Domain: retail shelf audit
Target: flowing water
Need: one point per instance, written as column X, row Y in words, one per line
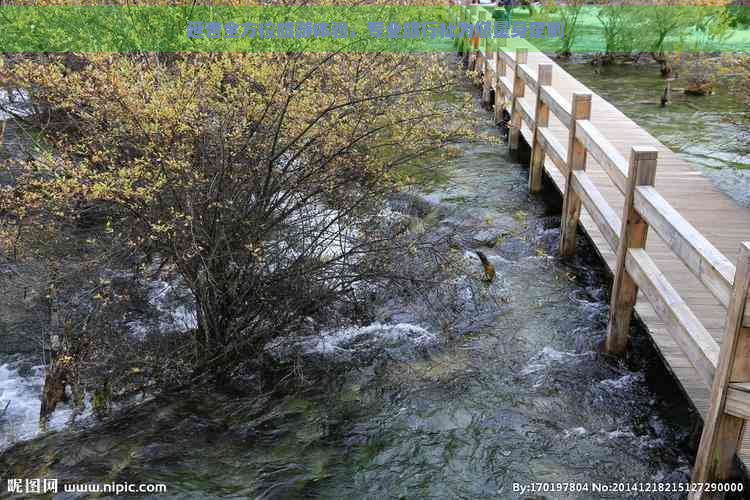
column 12, row 138
column 402, row 410
column 20, row 387
column 710, row 132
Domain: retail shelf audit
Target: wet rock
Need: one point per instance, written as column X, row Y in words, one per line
column 394, row 311
column 486, row 237
column 193, row 424
column 242, row 433
column 411, row 204
column 515, row 248
column 154, row 451
column 676, row 476
column 355, row 440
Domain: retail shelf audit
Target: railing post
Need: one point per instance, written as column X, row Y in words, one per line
column 642, row 172
column 481, row 42
column 541, row 119
column 477, row 43
column 474, row 54
column 722, row 433
column 499, row 98
column 519, row 90
column 502, row 68
column 456, row 19
column 466, row 42
column 487, row 78
column 580, row 110
column 487, row 82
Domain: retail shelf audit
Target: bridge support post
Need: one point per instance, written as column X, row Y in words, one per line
column 488, row 56
column 541, row 119
column 634, row 229
column 519, row 89
column 457, row 17
column 580, row 110
column 722, row 433
column 465, row 43
column 474, row 43
column 499, row 98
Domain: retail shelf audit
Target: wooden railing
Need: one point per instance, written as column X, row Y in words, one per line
column 726, row 370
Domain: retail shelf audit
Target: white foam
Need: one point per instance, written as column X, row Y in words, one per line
column 576, row 431
column 619, row 434
column 353, row 342
column 547, row 356
column 371, row 336
column 624, row 382
column 15, row 102
column 22, row 395
column 172, row 316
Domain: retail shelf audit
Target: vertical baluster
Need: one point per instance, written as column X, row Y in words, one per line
column 722, row 433
column 465, row 42
column 499, row 96
column 486, row 58
column 519, row 89
column 581, row 110
column 541, row 119
column 473, row 56
column 634, row 229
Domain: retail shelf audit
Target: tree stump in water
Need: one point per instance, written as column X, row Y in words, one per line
column 62, row 371
column 666, row 97
column 53, row 393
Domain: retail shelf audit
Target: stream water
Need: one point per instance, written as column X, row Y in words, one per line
column 525, row 397
column 710, row 132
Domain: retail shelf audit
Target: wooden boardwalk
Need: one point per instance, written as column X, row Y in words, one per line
column 714, row 214
column 680, row 254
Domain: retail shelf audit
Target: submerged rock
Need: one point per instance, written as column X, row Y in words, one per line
column 487, row 237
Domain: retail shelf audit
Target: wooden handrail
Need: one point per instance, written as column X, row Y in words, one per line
column 524, row 71
column 686, row 329
column 706, row 262
column 605, row 218
column 508, row 58
column 557, row 104
column 605, row 154
column 507, row 85
column 527, row 112
column 738, row 400
column 553, row 149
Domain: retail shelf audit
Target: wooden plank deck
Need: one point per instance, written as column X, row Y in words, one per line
column 724, row 223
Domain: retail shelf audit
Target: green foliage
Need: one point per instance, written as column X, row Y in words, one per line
column 622, row 26
column 257, row 178
column 569, row 14
column 662, row 26
column 658, row 27
column 739, row 15
column 163, row 28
